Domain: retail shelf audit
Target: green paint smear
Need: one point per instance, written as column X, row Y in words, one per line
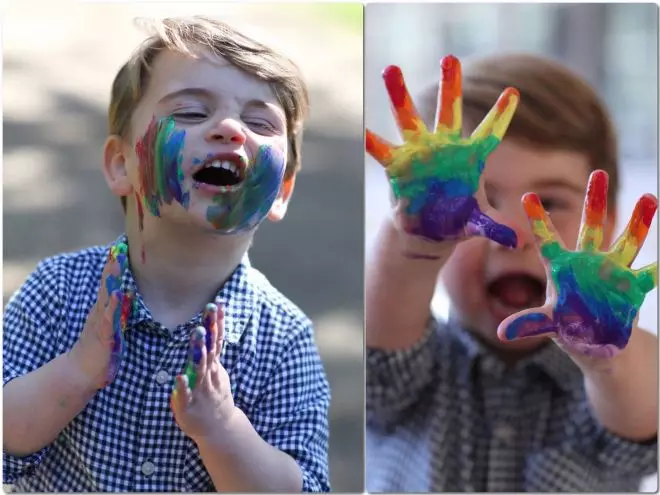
column 597, row 276
column 456, row 162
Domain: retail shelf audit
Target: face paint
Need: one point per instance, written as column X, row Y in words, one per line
column 598, row 294
column 118, row 253
column 161, row 175
column 436, row 174
column 243, row 209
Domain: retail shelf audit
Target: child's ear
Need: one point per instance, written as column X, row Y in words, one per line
column 278, row 210
column 114, row 167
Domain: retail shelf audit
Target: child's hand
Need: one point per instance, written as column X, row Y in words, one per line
column 201, row 401
column 99, row 349
column 435, row 176
column 593, row 298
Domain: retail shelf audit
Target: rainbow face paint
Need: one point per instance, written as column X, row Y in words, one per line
column 436, row 174
column 243, row 209
column 598, row 294
column 160, row 152
column 118, row 253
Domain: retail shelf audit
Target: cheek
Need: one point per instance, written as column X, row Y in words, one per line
column 463, row 274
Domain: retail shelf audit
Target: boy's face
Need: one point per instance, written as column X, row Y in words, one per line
column 208, row 145
column 487, row 282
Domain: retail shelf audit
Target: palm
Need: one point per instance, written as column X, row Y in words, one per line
column 436, row 175
column 597, row 296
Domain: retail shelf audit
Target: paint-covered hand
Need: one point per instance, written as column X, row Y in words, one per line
column 100, row 347
column 435, row 175
column 593, row 297
column 202, row 402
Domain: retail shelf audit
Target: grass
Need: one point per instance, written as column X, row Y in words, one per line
column 347, row 15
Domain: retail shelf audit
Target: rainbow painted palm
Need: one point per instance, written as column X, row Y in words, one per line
column 435, row 174
column 118, row 253
column 597, row 295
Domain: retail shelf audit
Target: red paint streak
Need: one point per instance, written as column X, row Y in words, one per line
column 451, row 89
column 140, row 211
column 642, row 217
column 126, row 309
column 144, row 149
column 395, row 85
column 401, row 101
column 504, row 99
column 596, row 201
column 377, row 148
column 533, row 206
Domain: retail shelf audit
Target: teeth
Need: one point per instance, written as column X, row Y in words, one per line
column 224, row 164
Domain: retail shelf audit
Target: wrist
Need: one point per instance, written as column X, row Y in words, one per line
column 226, row 437
column 84, row 369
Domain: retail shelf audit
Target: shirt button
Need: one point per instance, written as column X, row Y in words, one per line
column 148, row 468
column 162, row 377
column 505, row 433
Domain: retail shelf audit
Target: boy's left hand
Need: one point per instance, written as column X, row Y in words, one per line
column 202, row 402
column 593, row 297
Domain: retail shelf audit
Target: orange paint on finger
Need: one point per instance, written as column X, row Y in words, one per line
column 450, row 112
column 380, row 150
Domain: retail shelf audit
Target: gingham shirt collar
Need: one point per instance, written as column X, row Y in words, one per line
column 551, row 360
column 237, row 313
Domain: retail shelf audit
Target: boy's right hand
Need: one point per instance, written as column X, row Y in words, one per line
column 99, row 349
column 435, row 176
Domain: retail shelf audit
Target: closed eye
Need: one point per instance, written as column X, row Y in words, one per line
column 260, row 125
column 189, row 115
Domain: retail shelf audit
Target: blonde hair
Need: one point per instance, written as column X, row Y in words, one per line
column 558, row 109
column 186, row 36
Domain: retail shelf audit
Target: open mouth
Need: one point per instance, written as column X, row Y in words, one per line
column 224, row 173
column 515, row 292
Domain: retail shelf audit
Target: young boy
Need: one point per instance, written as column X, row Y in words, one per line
column 452, row 406
column 205, row 129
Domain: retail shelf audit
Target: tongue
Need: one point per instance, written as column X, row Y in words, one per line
column 517, row 292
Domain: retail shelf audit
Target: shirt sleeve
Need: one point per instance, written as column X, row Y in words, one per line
column 396, row 380
column 591, row 456
column 29, row 341
column 293, row 413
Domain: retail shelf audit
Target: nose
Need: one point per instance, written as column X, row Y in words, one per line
column 226, row 131
column 515, row 218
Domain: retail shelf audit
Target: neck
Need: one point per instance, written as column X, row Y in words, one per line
column 183, row 266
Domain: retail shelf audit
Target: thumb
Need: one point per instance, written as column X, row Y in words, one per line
column 534, row 322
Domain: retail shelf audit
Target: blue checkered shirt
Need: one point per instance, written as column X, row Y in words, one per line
column 447, row 416
column 126, row 438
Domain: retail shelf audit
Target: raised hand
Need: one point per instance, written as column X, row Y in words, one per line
column 201, row 402
column 435, row 175
column 593, row 297
column 100, row 347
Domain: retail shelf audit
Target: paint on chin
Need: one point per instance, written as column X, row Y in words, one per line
column 160, row 154
column 244, row 209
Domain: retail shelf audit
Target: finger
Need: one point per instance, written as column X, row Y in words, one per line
column 220, row 319
column 449, row 114
column 196, row 346
column 181, row 395
column 481, row 225
column 379, row 149
column 535, row 322
column 201, row 357
column 492, row 128
column 113, row 271
column 647, row 277
column 547, row 239
column 111, row 333
column 627, row 246
column 211, row 325
column 406, row 115
column 594, row 212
